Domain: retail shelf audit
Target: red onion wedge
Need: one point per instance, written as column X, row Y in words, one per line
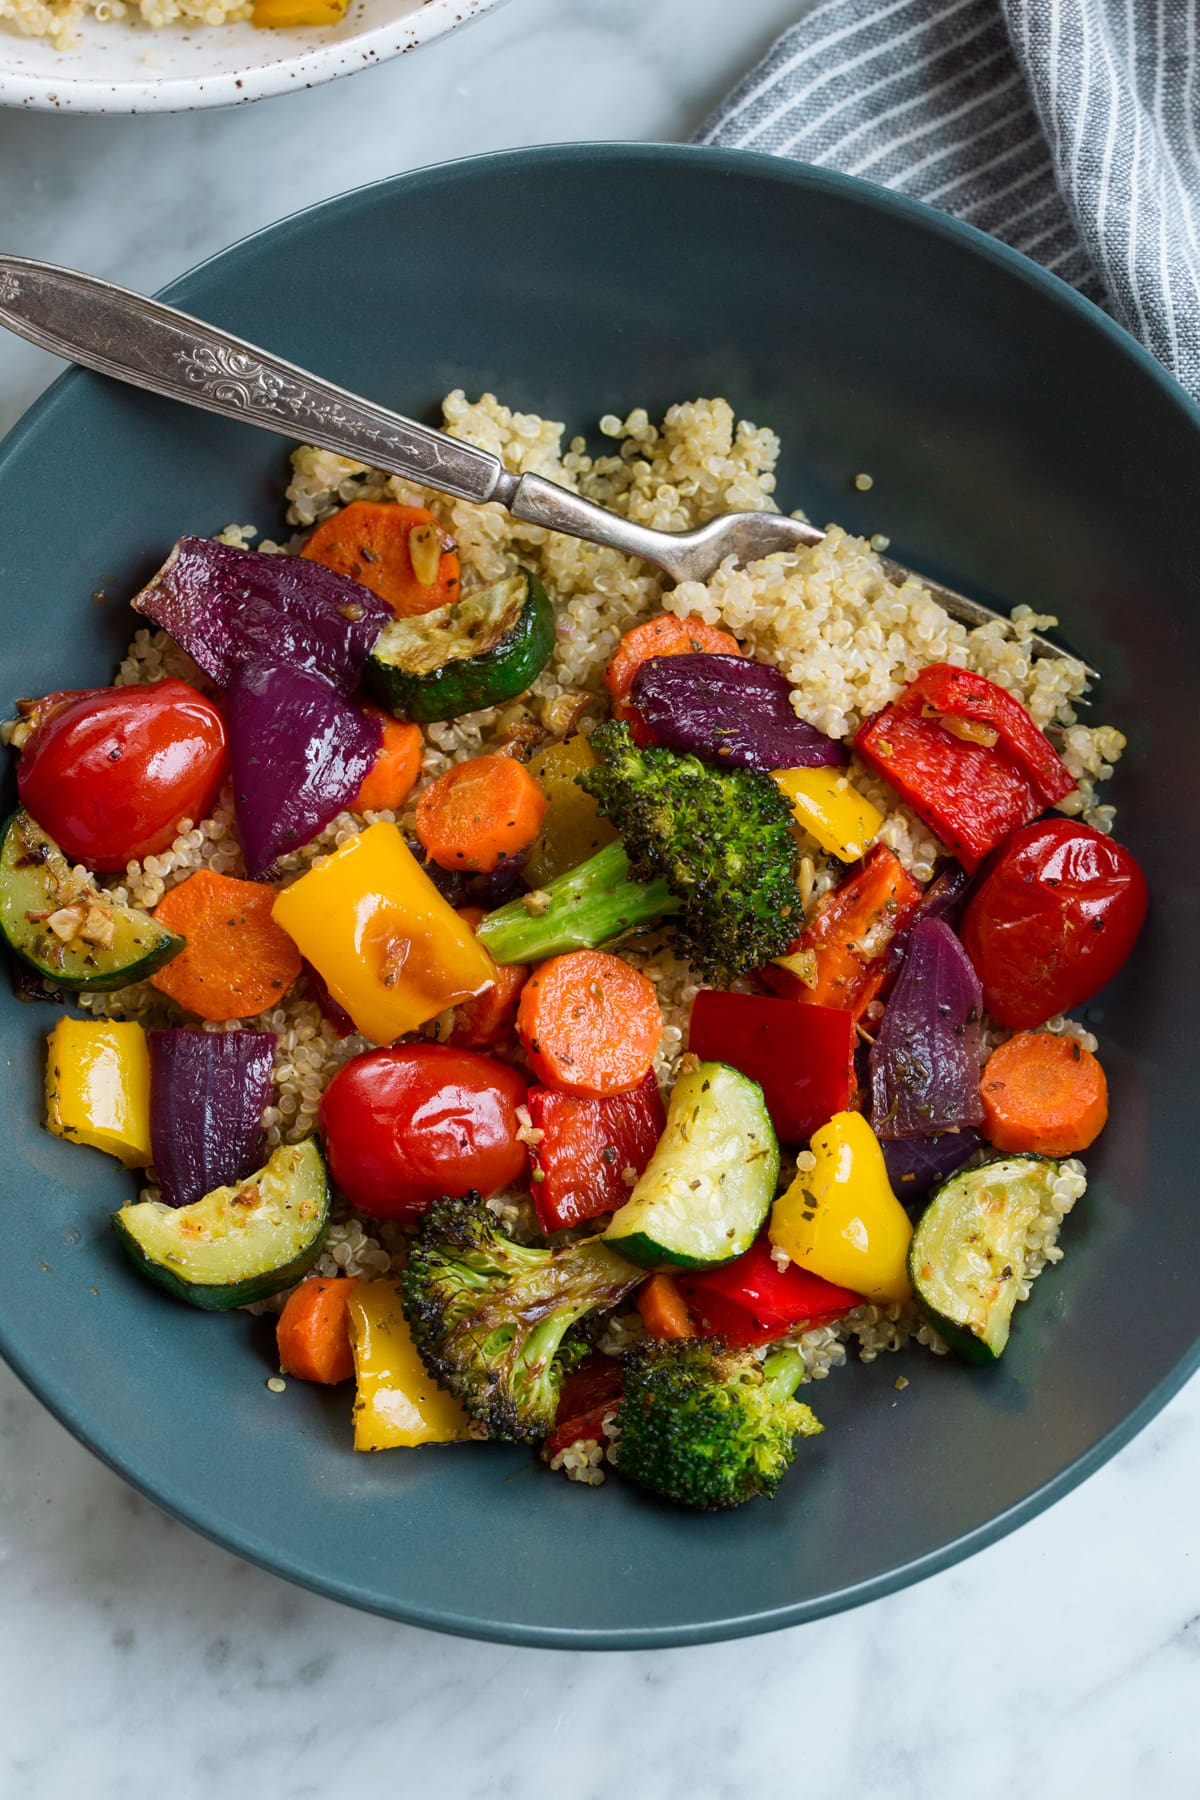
column 915, row 1165
column 925, row 1062
column 208, row 1090
column 728, row 709
column 227, row 607
column 299, row 752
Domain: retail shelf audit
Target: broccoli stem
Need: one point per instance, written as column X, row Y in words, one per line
column 588, row 906
column 782, row 1373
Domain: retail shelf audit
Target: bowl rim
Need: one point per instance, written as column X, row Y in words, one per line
column 123, row 1461
column 235, row 87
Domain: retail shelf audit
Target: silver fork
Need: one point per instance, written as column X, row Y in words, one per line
column 122, row 334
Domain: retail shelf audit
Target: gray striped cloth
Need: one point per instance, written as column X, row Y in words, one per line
column 1069, row 129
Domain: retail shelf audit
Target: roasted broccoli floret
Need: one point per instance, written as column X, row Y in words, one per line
column 489, row 1316
column 588, row 906
column 709, row 1426
column 721, row 839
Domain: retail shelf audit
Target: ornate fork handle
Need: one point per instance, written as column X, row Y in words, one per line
column 119, row 333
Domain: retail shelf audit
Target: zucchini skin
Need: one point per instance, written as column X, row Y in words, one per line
column 471, row 683
column 225, row 1296
column 102, row 979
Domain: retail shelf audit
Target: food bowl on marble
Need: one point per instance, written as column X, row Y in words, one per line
column 1022, row 448
column 115, row 66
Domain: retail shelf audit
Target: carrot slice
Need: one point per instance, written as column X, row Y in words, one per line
column 589, row 1023
column 313, row 1333
column 372, row 542
column 664, row 1309
column 479, row 813
column 662, row 636
column 237, row 961
column 394, row 774
column 1044, row 1093
column 488, row 1020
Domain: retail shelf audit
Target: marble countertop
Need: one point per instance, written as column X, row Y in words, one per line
column 139, row 1661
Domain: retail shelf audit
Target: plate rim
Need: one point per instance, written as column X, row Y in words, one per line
column 457, row 1623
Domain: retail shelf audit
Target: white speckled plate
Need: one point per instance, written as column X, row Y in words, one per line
column 123, row 68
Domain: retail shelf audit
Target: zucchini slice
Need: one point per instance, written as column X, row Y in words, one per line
column 478, row 651
column 97, row 945
column 240, row 1243
column 967, row 1256
column 709, row 1185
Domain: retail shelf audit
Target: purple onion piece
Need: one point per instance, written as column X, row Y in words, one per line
column 499, row 885
column 915, row 1165
column 299, row 752
column 942, row 899
column 208, row 1090
column 28, row 986
column 925, row 1061
column 337, row 1015
column 228, row 607
column 729, row 710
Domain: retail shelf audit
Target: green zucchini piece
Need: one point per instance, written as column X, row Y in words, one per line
column 709, row 1185
column 967, row 1255
column 240, row 1243
column 36, row 882
column 478, row 651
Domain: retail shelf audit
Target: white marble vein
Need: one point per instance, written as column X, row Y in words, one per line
column 139, row 1662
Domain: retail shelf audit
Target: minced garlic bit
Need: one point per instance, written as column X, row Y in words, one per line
column 901, row 1382
column 537, row 901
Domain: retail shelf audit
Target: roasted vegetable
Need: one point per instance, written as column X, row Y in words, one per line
column 60, row 923
column 480, row 651
column 572, row 830
column 589, row 1149
column 706, row 1190
column 491, row 1318
column 707, row 1426
column 841, row 957
column 389, row 948
column 925, row 1060
column 915, row 1165
column 754, row 1301
column 730, row 711
column 98, row 1087
column 802, row 1057
column 397, row 1403
column 594, row 904
column 843, row 821
column 208, row 1092
column 841, row 1220
column 241, row 1242
column 721, row 839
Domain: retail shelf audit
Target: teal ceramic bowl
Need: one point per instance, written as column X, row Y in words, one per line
column 1024, row 449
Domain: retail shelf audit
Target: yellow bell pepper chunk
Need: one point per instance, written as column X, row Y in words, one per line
column 572, row 829
column 98, row 1087
column 280, row 14
column 398, row 1403
column 841, row 1219
column 842, row 820
column 391, row 950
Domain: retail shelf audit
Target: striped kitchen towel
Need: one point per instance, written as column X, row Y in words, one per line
column 1069, row 129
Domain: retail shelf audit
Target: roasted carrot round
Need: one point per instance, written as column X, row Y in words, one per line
column 490, row 1018
column 393, row 776
column 1044, row 1093
column 664, row 1309
column 479, row 813
column 313, row 1333
column 236, row 961
column 400, row 552
column 662, row 636
column 589, row 1023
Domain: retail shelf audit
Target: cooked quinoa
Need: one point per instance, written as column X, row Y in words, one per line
column 846, row 637
column 60, row 20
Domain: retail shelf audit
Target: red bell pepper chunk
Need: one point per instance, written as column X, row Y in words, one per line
column 800, row 1056
column 587, row 1145
column 589, row 1396
column 967, row 757
column 753, row 1301
column 848, row 937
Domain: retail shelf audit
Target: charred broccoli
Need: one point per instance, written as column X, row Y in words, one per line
column 489, row 1316
column 721, row 840
column 588, row 906
column 709, row 1426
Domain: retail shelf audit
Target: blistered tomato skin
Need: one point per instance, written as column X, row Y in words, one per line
column 405, row 1126
column 110, row 774
column 1057, row 912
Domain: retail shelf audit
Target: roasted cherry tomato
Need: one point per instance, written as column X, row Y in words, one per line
column 110, row 773
column 1056, row 914
column 404, row 1126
